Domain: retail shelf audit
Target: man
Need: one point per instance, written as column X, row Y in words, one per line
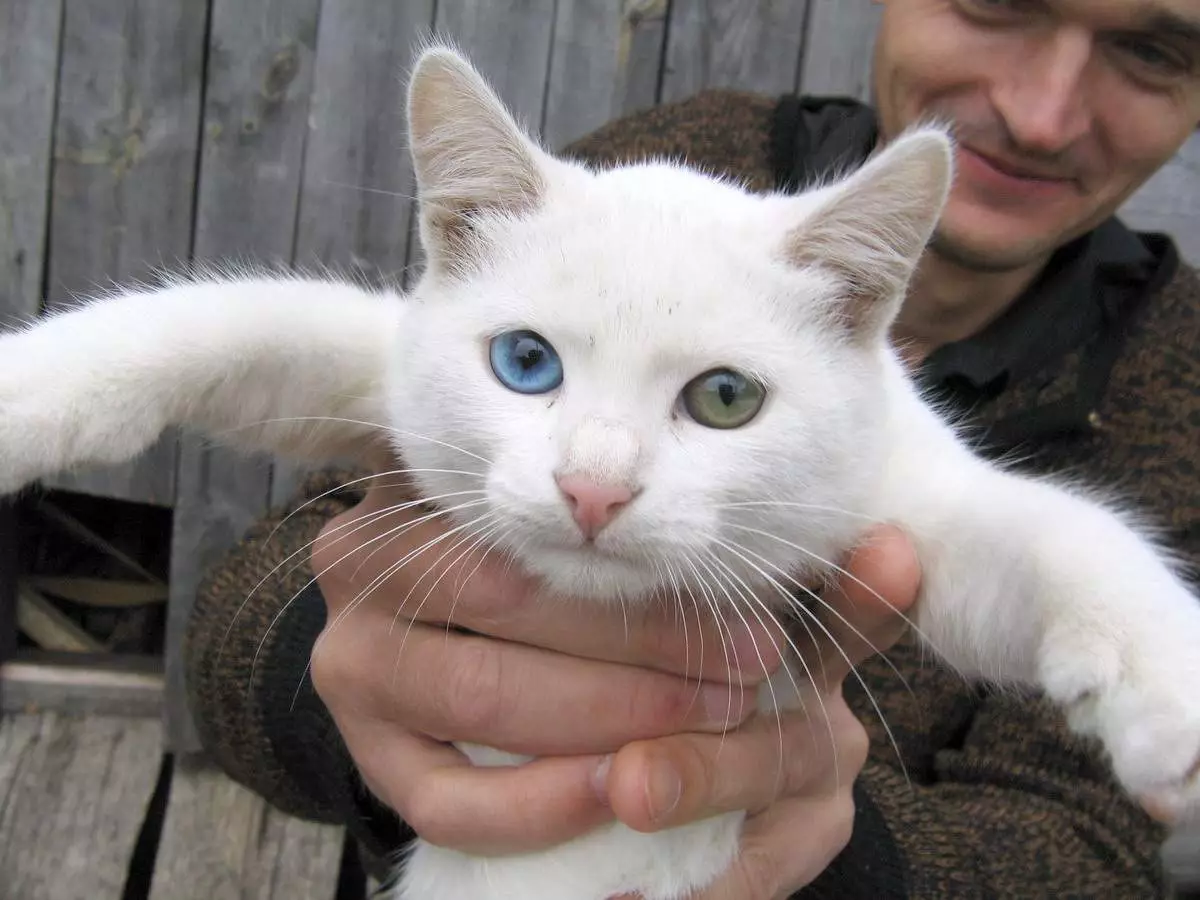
column 1063, row 338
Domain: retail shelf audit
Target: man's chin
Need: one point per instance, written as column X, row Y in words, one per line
column 988, row 257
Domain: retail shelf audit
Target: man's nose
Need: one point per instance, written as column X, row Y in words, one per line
column 1044, row 100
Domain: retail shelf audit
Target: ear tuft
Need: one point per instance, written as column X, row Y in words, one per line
column 470, row 156
column 873, row 229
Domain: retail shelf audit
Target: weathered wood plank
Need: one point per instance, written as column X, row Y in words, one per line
column 1170, row 201
column 1181, row 854
column 748, row 44
column 356, row 195
column 73, row 794
column 355, row 205
column 604, row 63
column 838, row 46
column 104, row 685
column 220, row 841
column 255, row 122
column 28, row 72
column 509, row 42
column 125, row 151
column 48, row 627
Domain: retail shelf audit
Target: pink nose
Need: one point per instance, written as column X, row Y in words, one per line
column 593, row 505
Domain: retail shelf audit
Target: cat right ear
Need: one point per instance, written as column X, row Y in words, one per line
column 471, row 158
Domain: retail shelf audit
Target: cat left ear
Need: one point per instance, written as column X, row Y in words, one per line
column 470, row 157
column 871, row 232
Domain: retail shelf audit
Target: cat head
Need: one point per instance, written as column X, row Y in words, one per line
column 646, row 377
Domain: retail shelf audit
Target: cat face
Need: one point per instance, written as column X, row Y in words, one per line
column 635, row 379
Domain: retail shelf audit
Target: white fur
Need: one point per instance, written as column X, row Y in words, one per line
column 642, row 278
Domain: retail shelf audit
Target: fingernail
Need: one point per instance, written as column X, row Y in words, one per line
column 663, row 790
column 600, row 778
column 725, row 706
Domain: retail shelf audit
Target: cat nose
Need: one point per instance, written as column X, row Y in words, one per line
column 593, row 505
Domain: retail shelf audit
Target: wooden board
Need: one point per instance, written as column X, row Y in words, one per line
column 1170, row 201
column 125, row 156
column 355, row 204
column 78, row 683
column 838, row 45
column 28, row 71
column 509, row 42
column 73, row 794
column 260, row 66
column 604, row 63
column 748, row 44
column 220, row 841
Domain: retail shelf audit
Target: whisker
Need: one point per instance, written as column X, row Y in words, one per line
column 724, row 631
column 345, row 421
column 803, row 612
column 751, row 504
column 359, row 522
column 742, row 589
column 354, row 481
column 835, row 567
column 337, row 619
column 375, row 583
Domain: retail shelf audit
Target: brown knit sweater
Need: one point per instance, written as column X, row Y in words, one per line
column 999, row 799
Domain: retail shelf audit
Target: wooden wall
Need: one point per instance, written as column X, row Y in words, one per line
column 136, row 135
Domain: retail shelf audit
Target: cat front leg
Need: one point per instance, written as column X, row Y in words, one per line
column 283, row 365
column 1029, row 582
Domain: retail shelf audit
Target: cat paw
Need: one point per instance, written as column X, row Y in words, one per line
column 1135, row 685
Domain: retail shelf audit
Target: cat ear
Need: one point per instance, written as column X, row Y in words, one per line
column 874, row 227
column 470, row 156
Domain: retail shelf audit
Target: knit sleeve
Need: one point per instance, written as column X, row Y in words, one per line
column 996, row 798
column 722, row 132
column 252, row 629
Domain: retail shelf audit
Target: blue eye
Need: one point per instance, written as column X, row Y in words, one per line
column 525, row 362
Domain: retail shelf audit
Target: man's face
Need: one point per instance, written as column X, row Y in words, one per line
column 1062, row 109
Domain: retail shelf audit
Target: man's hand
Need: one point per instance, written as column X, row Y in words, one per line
column 801, row 808
column 568, row 682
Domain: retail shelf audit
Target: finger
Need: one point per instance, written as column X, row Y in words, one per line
column 480, row 810
column 786, row 848
column 389, row 555
column 867, row 610
column 682, row 778
column 456, row 687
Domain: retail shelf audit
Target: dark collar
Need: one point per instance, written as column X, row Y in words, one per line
column 1089, row 286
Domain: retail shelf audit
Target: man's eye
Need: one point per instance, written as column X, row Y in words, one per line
column 1152, row 54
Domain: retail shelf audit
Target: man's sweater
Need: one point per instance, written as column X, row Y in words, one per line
column 1095, row 371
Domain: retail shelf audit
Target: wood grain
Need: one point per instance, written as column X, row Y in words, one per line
column 96, row 684
column 748, row 44
column 29, row 34
column 604, row 63
column 838, row 46
column 1170, row 201
column 73, row 794
column 125, row 156
column 220, row 841
column 260, row 65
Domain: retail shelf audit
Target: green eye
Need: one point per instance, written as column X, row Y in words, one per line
column 723, row 398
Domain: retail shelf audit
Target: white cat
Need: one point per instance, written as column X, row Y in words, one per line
column 637, row 373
